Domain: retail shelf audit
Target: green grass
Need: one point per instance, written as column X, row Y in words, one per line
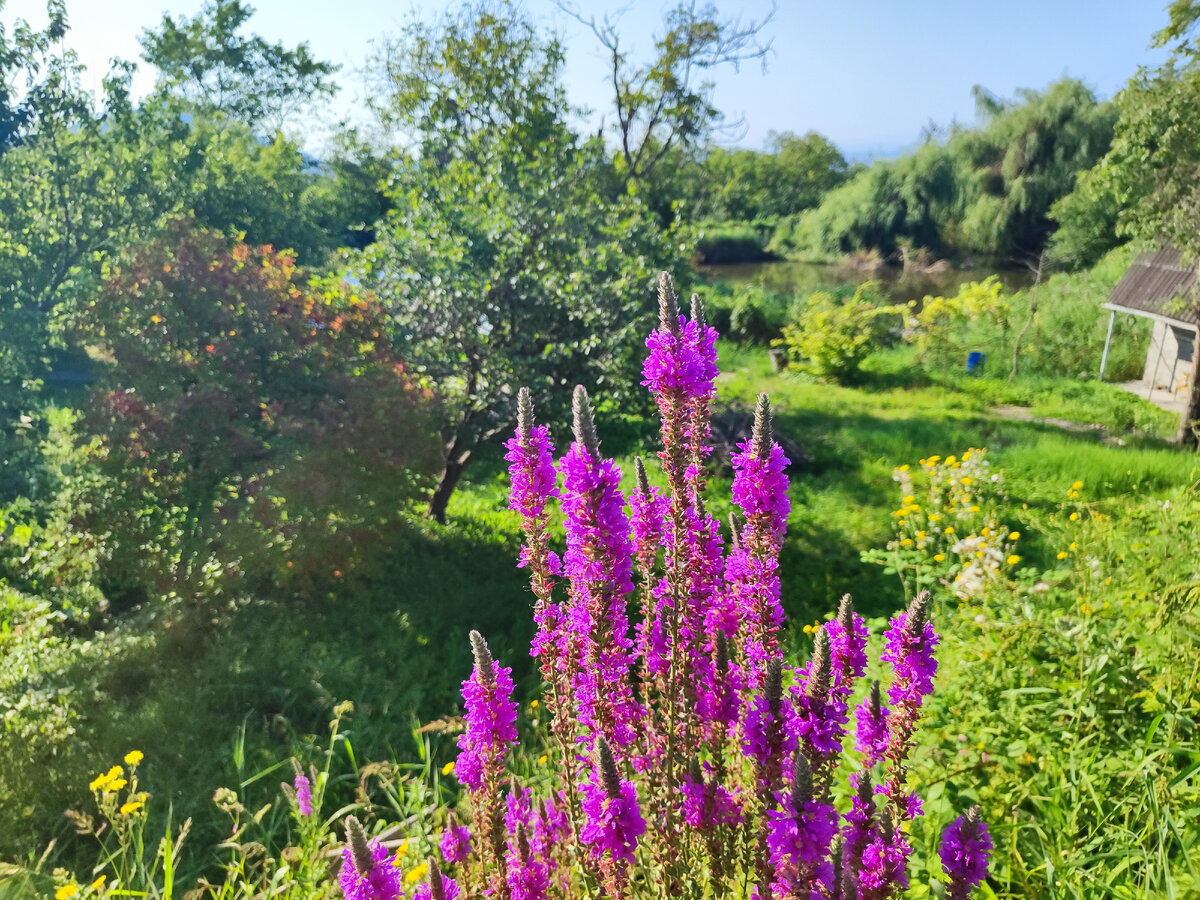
column 210, row 695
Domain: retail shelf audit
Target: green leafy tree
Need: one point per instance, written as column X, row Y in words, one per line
column 667, row 102
column 208, row 62
column 504, row 261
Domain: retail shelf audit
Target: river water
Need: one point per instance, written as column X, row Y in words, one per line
column 789, row 277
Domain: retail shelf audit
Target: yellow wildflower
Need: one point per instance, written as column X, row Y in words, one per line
column 133, row 757
column 101, row 782
column 933, row 460
column 416, row 873
column 98, row 884
column 920, row 535
column 448, row 768
column 1013, row 559
column 1063, row 554
column 1074, row 517
column 131, row 807
column 542, row 759
column 113, row 786
column 909, row 498
column 903, row 468
column 933, row 517
column 939, row 557
column 1086, row 608
column 967, row 481
column 67, row 890
column 950, row 460
column 974, row 509
column 907, row 542
column 949, row 529
column 1077, row 486
column 533, row 704
column 1014, row 535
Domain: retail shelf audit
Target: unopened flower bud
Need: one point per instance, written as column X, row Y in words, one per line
column 918, row 613
column 643, row 483
column 483, row 659
column 356, row 838
column 524, row 416
column 698, row 311
column 437, row 890
column 668, row 304
column 845, row 614
column 802, row 783
column 774, row 688
column 608, row 770
column 820, row 672
column 584, row 423
column 760, row 436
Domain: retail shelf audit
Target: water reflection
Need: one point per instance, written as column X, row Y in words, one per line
column 899, row 286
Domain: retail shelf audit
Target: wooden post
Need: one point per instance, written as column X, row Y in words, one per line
column 1107, row 342
column 1187, row 435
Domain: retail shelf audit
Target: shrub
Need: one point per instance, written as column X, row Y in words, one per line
column 833, row 338
column 729, row 243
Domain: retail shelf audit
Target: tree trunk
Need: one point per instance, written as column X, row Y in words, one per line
column 456, row 463
column 1188, row 425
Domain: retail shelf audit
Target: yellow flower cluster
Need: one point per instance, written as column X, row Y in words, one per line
column 952, row 519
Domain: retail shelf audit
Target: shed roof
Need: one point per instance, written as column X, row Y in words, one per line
column 1154, row 284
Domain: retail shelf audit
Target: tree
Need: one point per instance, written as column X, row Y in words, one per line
column 503, row 261
column 1153, row 167
column 208, row 63
column 247, row 408
column 666, row 103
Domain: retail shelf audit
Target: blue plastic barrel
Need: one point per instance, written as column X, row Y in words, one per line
column 974, row 360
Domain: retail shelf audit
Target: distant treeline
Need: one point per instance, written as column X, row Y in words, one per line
column 985, row 193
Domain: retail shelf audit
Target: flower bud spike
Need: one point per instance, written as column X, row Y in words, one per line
column 698, row 506
column 837, row 852
column 643, row 483
column 437, row 890
column 873, row 701
column 484, row 664
column 584, row 422
column 735, row 537
column 694, row 771
column 971, row 819
column 668, row 305
column 760, row 437
column 802, row 783
column 820, row 672
column 774, row 687
column 524, row 416
column 698, row 311
column 918, row 613
column 359, row 851
column 845, row 614
column 296, row 767
column 722, row 654
column 608, row 770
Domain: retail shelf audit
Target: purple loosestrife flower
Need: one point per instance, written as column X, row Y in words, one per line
column 799, row 837
column 303, row 795
column 456, row 842
column 367, row 870
column 528, row 873
column 883, row 870
column 871, row 727
column 861, row 822
column 439, row 886
column 598, row 563
column 966, row 848
column 613, row 822
column 705, row 803
column 765, row 737
column 491, row 719
column 909, row 644
column 680, row 372
column 848, row 645
column 752, row 568
column 818, row 714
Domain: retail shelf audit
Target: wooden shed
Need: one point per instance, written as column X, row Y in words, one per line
column 1158, row 286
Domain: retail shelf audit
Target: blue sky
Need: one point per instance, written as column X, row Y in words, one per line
column 868, row 74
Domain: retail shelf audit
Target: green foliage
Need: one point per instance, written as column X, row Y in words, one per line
column 245, row 409
column 717, row 243
column 205, row 61
column 1075, row 713
column 504, row 263
column 833, row 337
column 984, row 191
column 942, row 326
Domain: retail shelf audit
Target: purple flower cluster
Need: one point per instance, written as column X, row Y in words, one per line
column 372, row 877
column 491, row 719
column 303, row 795
column 966, row 847
column 687, row 728
column 456, row 843
column 598, row 563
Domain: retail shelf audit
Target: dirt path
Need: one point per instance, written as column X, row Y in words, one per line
column 1021, row 414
